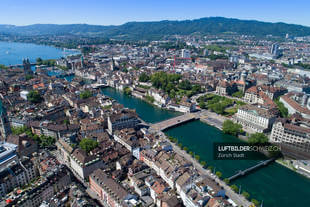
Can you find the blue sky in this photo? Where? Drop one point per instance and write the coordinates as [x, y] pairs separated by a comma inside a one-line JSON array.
[[115, 12]]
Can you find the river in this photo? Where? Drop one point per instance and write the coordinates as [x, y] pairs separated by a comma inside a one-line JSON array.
[[146, 111], [275, 185]]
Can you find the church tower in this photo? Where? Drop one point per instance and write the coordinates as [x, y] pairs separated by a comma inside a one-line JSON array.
[[112, 64], [5, 128], [27, 67]]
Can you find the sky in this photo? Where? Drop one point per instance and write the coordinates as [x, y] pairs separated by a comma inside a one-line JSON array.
[[116, 12]]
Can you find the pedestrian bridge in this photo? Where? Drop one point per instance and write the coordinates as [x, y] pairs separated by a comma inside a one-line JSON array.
[[244, 172], [161, 126]]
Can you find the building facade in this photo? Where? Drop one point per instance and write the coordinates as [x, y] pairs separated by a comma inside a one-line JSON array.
[[255, 119], [294, 135]]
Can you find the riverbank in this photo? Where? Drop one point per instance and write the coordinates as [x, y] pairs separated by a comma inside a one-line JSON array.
[[294, 165], [239, 199], [267, 184], [207, 117], [212, 119], [148, 112], [262, 184]]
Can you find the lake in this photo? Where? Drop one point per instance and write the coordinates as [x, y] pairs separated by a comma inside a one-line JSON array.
[[12, 53]]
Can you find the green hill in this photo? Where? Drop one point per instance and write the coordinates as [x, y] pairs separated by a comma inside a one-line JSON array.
[[156, 30]]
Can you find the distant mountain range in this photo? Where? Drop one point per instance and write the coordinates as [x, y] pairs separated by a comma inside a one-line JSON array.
[[156, 30]]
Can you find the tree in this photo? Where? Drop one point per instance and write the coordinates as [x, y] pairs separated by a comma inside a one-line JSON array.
[[226, 180], [50, 62], [127, 91], [20, 130], [161, 79], [3, 66], [34, 97], [185, 149], [235, 188], [218, 108], [210, 168], [185, 85], [258, 138], [229, 127], [215, 57], [255, 202], [197, 157], [85, 94], [218, 174], [172, 93], [203, 163], [144, 77], [29, 77], [46, 141], [87, 144], [39, 61], [246, 194], [238, 94], [196, 89], [202, 105], [169, 87], [86, 50], [283, 110]]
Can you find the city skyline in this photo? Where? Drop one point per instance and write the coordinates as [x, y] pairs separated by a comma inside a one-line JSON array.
[[96, 12]]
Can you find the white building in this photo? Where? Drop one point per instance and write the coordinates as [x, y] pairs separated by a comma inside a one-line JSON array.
[[185, 53], [161, 99], [24, 94], [84, 164], [294, 135], [255, 119]]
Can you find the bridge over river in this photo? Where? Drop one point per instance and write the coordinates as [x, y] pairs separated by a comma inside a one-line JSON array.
[[204, 115], [161, 126], [244, 172]]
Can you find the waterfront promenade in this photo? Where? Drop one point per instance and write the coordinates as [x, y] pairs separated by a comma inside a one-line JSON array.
[[212, 118], [238, 199]]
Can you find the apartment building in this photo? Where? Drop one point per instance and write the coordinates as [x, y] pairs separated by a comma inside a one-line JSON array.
[[17, 174], [109, 191], [125, 119], [292, 133]]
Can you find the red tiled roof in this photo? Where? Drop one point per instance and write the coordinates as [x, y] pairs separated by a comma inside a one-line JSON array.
[[287, 98]]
